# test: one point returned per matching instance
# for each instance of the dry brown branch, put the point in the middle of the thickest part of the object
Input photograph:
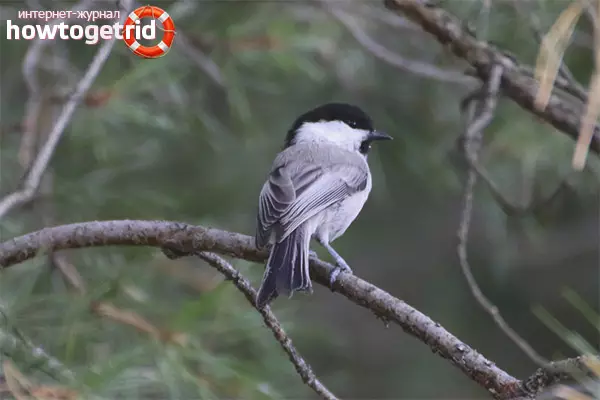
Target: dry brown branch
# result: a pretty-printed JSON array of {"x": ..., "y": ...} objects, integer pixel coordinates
[
  {"x": 133, "y": 319},
  {"x": 188, "y": 239},
  {"x": 35, "y": 173},
  {"x": 109, "y": 311},
  {"x": 302, "y": 367},
  {"x": 480, "y": 111},
  {"x": 593, "y": 105},
  {"x": 23, "y": 389},
  {"x": 568, "y": 393},
  {"x": 18, "y": 385},
  {"x": 563, "y": 111},
  {"x": 552, "y": 50},
  {"x": 69, "y": 272},
  {"x": 190, "y": 276},
  {"x": 536, "y": 26}
]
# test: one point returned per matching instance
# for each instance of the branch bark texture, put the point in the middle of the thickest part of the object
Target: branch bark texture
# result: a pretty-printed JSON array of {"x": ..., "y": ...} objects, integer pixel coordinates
[
  {"x": 190, "y": 239},
  {"x": 563, "y": 111}
]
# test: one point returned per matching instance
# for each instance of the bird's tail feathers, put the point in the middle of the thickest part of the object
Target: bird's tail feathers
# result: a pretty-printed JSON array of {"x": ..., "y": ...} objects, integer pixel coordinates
[{"x": 287, "y": 268}]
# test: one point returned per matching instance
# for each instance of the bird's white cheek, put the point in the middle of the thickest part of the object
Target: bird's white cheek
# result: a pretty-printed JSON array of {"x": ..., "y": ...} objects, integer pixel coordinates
[{"x": 334, "y": 132}]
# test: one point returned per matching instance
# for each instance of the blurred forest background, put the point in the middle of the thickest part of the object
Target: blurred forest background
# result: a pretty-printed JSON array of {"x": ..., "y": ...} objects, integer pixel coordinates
[{"x": 191, "y": 136}]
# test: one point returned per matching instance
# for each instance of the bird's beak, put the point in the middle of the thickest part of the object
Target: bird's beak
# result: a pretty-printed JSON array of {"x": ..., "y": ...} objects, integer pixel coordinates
[{"x": 375, "y": 135}]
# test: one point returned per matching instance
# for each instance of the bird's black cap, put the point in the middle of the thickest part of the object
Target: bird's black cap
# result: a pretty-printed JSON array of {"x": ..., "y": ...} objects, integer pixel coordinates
[{"x": 351, "y": 115}]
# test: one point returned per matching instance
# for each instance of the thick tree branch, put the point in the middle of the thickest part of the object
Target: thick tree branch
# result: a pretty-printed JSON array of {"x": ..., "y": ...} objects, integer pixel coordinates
[
  {"x": 188, "y": 239},
  {"x": 183, "y": 238},
  {"x": 563, "y": 111}
]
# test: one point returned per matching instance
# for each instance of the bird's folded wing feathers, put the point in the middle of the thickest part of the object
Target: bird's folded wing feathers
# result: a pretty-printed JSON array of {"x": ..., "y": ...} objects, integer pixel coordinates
[{"x": 295, "y": 193}]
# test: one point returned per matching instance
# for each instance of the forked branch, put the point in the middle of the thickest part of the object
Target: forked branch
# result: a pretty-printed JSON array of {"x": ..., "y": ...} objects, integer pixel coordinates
[
  {"x": 188, "y": 239},
  {"x": 563, "y": 111}
]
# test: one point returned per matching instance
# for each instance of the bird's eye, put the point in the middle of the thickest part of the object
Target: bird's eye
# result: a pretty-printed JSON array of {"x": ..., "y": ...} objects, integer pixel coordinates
[
  {"x": 365, "y": 146},
  {"x": 352, "y": 124}
]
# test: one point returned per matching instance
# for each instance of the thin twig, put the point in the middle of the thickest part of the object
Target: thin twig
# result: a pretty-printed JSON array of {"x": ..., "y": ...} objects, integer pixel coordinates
[
  {"x": 205, "y": 63},
  {"x": 111, "y": 312},
  {"x": 32, "y": 114},
  {"x": 483, "y": 20},
  {"x": 511, "y": 207},
  {"x": 15, "y": 345},
  {"x": 480, "y": 112},
  {"x": 381, "y": 52},
  {"x": 34, "y": 53},
  {"x": 34, "y": 175},
  {"x": 184, "y": 44},
  {"x": 133, "y": 319},
  {"x": 302, "y": 367},
  {"x": 33, "y": 107},
  {"x": 69, "y": 272},
  {"x": 46, "y": 209}
]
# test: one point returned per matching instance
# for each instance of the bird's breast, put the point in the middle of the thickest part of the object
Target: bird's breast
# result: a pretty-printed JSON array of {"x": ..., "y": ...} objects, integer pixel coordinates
[{"x": 336, "y": 219}]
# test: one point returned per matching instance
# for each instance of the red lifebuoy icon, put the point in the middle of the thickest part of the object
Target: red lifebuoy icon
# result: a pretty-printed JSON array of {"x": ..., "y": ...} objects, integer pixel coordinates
[{"x": 168, "y": 32}]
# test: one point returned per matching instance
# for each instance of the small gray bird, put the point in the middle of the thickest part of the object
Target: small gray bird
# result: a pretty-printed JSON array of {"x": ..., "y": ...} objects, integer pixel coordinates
[{"x": 317, "y": 186}]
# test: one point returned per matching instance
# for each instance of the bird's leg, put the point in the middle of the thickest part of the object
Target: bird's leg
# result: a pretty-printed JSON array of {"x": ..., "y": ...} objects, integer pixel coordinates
[
  {"x": 341, "y": 264},
  {"x": 339, "y": 260}
]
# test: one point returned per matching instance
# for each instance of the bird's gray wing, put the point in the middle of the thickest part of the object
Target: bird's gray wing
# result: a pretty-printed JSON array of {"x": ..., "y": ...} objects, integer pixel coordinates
[{"x": 296, "y": 192}]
